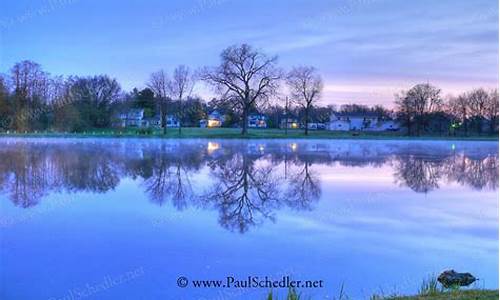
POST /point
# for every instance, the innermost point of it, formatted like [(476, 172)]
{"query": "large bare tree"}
[(160, 84), (478, 101), (420, 101), (305, 87), (245, 77), (181, 86)]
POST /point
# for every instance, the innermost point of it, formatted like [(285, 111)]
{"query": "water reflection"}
[(245, 181), (244, 191)]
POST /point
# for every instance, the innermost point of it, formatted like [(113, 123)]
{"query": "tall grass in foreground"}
[(292, 295), (429, 286), (429, 290)]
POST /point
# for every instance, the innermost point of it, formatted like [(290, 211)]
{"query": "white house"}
[(172, 122), (316, 126), (135, 118), (389, 125), (214, 120), (257, 121), (339, 125), (151, 122), (132, 118), (361, 122), (289, 123)]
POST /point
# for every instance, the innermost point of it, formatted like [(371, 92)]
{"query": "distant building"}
[(172, 122), (361, 122), (135, 118), (289, 123), (340, 125), (257, 121), (154, 122), (131, 118), (316, 126), (214, 120), (389, 125)]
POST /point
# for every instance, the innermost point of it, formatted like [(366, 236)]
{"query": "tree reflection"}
[(419, 174), (478, 173), (303, 186), (243, 193), (92, 170), (423, 175), (245, 181), (169, 179), (24, 175)]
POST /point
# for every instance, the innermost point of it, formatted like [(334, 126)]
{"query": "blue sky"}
[(366, 50)]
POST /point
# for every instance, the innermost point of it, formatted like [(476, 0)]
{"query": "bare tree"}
[(30, 91), (491, 110), (459, 108), (181, 86), (405, 110), (160, 84), (478, 101), (245, 78), (420, 101), (305, 87)]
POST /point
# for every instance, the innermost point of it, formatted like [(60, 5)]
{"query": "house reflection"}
[(246, 182), (211, 147)]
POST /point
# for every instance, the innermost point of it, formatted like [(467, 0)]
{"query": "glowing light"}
[(261, 148), (294, 125), (211, 147), (293, 146), (214, 123), (452, 146)]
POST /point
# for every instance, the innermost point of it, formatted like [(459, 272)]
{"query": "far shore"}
[(235, 133)]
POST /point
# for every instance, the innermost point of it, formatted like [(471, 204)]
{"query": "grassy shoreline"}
[(453, 295), (472, 294), (235, 133)]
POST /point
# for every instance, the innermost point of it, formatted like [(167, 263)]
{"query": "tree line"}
[(422, 109), (246, 81)]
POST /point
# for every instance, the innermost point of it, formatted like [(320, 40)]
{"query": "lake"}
[(125, 218)]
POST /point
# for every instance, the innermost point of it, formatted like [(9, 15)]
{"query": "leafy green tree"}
[(145, 99), (93, 98)]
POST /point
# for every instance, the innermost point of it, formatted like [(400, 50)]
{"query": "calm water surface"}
[(123, 219)]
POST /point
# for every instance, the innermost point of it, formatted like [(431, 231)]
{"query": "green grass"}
[(429, 290), (235, 133), (429, 287), (433, 295), (292, 295), (453, 295)]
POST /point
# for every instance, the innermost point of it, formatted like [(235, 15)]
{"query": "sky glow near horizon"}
[(366, 50)]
